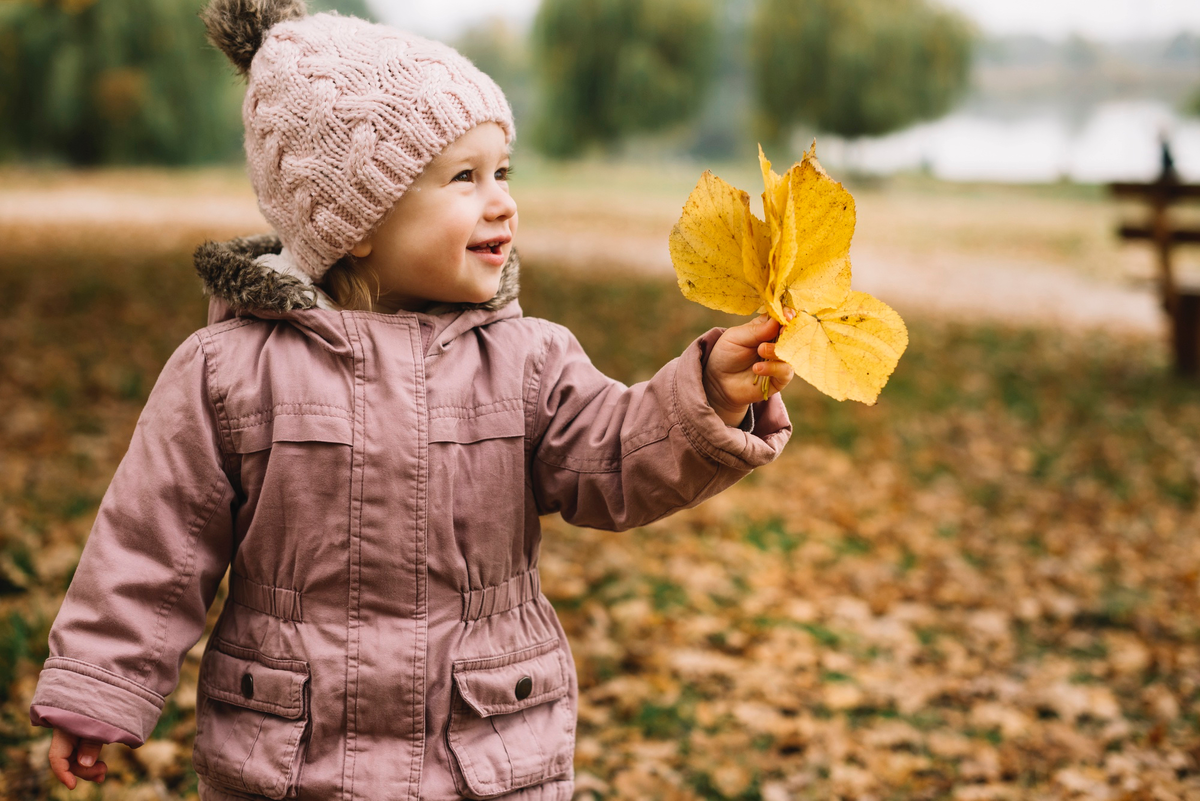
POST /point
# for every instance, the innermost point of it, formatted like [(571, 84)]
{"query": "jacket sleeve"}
[(150, 569), (614, 457)]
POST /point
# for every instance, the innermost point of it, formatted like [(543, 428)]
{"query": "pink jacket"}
[(375, 482)]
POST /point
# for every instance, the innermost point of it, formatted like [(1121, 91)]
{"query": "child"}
[(366, 434)]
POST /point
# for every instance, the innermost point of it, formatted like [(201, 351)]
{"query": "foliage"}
[(114, 81), (844, 343), (118, 81), (856, 67), (608, 68), (353, 8)]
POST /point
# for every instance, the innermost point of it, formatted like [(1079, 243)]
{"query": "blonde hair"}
[(350, 286)]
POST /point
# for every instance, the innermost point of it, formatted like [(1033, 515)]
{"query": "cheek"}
[(431, 245)]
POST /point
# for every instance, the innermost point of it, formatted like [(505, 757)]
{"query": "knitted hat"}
[(341, 115)]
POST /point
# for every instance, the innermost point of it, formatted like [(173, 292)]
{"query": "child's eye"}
[(504, 173), (465, 175)]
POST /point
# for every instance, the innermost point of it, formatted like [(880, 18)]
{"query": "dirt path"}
[(987, 283)]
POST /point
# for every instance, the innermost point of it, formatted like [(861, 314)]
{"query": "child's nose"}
[(501, 204)]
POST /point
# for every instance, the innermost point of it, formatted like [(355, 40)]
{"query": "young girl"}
[(366, 434)]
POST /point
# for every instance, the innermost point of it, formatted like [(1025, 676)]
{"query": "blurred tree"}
[(118, 81), (721, 130), (608, 68), (502, 51), (856, 67), (104, 81)]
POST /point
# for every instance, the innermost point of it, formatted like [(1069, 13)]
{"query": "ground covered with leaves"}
[(984, 587)]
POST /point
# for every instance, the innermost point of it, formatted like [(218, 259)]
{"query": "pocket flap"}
[(505, 419), (275, 686), (501, 684), (292, 428)]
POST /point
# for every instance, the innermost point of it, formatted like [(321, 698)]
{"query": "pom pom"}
[(237, 27)]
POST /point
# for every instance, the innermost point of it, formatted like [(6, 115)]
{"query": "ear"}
[(362, 249)]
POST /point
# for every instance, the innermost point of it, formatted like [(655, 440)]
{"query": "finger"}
[(91, 773), (781, 373), (749, 335), (767, 350), (62, 745)]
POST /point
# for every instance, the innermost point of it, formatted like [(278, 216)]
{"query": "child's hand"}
[(734, 368), (85, 762)]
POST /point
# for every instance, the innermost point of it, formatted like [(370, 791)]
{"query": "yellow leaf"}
[(712, 246), (756, 250), (848, 352), (844, 343), (774, 197), (817, 226)]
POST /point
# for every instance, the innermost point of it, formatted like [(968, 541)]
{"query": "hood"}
[(232, 274)]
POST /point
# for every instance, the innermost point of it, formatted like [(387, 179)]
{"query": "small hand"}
[(735, 367), (69, 755)]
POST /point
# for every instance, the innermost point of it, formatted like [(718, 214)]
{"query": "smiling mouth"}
[(489, 247)]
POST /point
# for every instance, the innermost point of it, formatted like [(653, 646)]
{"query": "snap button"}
[(247, 685), (524, 688)]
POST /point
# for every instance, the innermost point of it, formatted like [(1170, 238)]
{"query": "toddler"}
[(365, 436)]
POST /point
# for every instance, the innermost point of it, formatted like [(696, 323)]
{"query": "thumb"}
[(89, 752), (751, 334)]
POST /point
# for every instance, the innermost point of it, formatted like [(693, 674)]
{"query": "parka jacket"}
[(373, 483)]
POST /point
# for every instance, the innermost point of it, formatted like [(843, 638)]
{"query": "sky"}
[(1096, 19)]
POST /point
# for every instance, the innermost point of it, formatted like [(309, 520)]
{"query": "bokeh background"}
[(984, 587)]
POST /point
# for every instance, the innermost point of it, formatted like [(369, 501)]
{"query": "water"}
[(1114, 141)]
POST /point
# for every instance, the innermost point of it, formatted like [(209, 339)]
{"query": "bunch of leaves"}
[(796, 268), (608, 68), (856, 67)]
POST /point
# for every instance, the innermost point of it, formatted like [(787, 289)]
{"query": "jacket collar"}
[(240, 286)]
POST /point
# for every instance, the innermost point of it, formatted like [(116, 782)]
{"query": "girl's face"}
[(446, 240)]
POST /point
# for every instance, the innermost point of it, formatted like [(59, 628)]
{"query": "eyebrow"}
[(467, 161)]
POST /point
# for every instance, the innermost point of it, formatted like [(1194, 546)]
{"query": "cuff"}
[(91, 695), (82, 726), (708, 433)]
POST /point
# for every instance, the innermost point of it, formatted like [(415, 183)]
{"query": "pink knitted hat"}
[(341, 115)]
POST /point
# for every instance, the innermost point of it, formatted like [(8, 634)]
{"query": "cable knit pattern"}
[(341, 115)]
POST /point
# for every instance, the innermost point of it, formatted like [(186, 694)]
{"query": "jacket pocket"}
[(252, 721), (511, 725), (263, 430)]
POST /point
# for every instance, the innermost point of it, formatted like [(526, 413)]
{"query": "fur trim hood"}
[(235, 273)]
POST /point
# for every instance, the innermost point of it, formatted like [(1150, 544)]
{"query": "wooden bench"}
[(1182, 304)]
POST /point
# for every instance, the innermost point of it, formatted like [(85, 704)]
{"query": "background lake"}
[(1116, 140)]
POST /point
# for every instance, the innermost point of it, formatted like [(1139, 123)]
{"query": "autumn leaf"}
[(848, 352), (709, 249), (844, 343)]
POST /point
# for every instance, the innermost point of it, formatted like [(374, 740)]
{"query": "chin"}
[(483, 294), (481, 298)]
